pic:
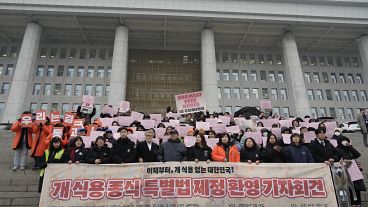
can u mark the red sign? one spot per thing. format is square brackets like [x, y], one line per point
[78, 123]
[55, 117]
[26, 120]
[68, 118]
[40, 116]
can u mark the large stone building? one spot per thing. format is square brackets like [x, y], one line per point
[307, 57]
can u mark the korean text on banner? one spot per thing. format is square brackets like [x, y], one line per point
[190, 184]
[40, 116]
[26, 120]
[190, 102]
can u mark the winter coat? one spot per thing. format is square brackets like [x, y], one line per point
[323, 153]
[78, 154]
[85, 116]
[64, 140]
[297, 154]
[102, 153]
[20, 134]
[270, 155]
[39, 143]
[124, 151]
[146, 154]
[250, 153]
[219, 154]
[201, 153]
[362, 124]
[172, 150]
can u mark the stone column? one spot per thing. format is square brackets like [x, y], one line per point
[294, 71]
[208, 71]
[118, 79]
[17, 97]
[363, 49]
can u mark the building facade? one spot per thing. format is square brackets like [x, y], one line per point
[307, 58]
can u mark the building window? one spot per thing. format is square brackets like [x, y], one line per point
[73, 53]
[283, 94]
[100, 72]
[319, 95]
[111, 53]
[75, 106]
[341, 113]
[329, 95]
[307, 77]
[102, 54]
[363, 96]
[271, 76]
[333, 78]
[39, 70]
[219, 93]
[261, 59]
[217, 57]
[236, 93]
[80, 71]
[244, 75]
[50, 71]
[255, 93]
[345, 95]
[310, 94]
[313, 61]
[60, 72]
[325, 77]
[88, 90]
[316, 77]
[243, 58]
[5, 88]
[355, 62]
[313, 112]
[68, 90]
[218, 76]
[107, 90]
[330, 61]
[65, 107]
[13, 52]
[225, 75]
[62, 53]
[332, 112]
[321, 61]
[322, 112]
[90, 71]
[227, 93]
[359, 78]
[9, 70]
[253, 75]
[263, 76]
[234, 58]
[3, 52]
[82, 54]
[276, 110]
[43, 53]
[92, 54]
[350, 78]
[237, 108]
[265, 94]
[349, 113]
[47, 89]
[33, 107]
[278, 60]
[338, 61]
[285, 112]
[246, 93]
[53, 53]
[269, 59]
[347, 62]
[57, 89]
[342, 78]
[281, 77]
[304, 60]
[1, 69]
[337, 95]
[36, 89]
[235, 75]
[78, 90]
[354, 94]
[274, 93]
[228, 109]
[98, 91]
[108, 72]
[54, 106]
[225, 57]
[70, 72]
[44, 106]
[252, 59]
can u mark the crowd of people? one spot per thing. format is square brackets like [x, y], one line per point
[231, 147]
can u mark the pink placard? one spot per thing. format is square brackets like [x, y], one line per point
[148, 123]
[211, 142]
[286, 138]
[165, 138]
[219, 128]
[114, 129]
[136, 136]
[329, 134]
[306, 120]
[285, 123]
[203, 125]
[183, 130]
[333, 142]
[225, 120]
[314, 124]
[173, 115]
[125, 120]
[296, 131]
[160, 132]
[276, 132]
[330, 126]
[106, 121]
[354, 171]
[156, 117]
[254, 135]
[124, 106]
[265, 105]
[309, 136]
[233, 129]
[304, 124]
[137, 116]
[189, 141]
[57, 132]
[88, 99]
[259, 140]
[87, 140]
[212, 121]
[94, 134]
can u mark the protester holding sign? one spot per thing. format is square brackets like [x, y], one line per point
[63, 135]
[250, 152]
[147, 150]
[55, 154]
[348, 152]
[22, 141]
[200, 151]
[123, 150]
[39, 143]
[225, 151]
[296, 152]
[85, 115]
[322, 150]
[100, 152]
[77, 152]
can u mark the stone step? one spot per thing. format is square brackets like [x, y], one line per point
[25, 201]
[11, 194]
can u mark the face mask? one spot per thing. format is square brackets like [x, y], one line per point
[337, 133]
[345, 143]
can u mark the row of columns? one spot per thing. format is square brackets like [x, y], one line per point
[16, 104]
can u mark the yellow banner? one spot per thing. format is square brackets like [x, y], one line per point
[189, 184]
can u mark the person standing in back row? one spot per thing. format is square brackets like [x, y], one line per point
[362, 121]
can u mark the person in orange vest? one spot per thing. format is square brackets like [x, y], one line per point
[225, 150]
[21, 143]
[39, 143]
